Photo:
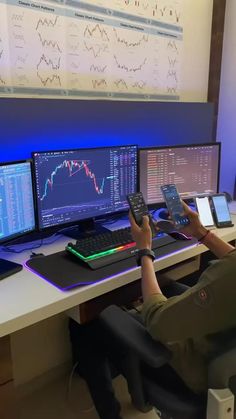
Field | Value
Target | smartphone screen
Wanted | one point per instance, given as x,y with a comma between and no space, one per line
174,205
221,209
204,211
139,208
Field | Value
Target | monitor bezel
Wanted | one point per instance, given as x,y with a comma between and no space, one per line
74,223
188,200
18,235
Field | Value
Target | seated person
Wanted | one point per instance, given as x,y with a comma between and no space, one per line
191,325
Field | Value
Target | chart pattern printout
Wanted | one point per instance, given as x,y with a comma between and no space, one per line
78,184
87,49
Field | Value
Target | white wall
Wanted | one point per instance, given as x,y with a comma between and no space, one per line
226,132
196,54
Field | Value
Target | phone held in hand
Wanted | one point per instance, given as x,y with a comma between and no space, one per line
221,211
139,208
174,205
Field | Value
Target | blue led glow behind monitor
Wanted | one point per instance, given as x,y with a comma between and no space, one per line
193,168
82,184
17,214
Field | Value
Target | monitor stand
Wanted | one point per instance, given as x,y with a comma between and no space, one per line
85,229
7,268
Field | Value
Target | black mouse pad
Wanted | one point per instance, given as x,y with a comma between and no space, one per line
64,271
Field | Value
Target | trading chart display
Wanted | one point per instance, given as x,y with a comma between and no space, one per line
121,49
193,169
16,200
74,185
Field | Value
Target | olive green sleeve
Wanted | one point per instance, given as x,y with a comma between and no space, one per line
150,312
208,307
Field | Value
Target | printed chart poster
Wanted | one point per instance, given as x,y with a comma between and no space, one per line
87,49
109,56
37,47
89,53
5,78
166,11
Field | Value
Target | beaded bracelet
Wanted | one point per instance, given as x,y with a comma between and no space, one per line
204,236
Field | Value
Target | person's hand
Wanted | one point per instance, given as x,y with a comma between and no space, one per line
194,228
141,235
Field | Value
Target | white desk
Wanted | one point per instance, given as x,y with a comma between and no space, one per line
25,298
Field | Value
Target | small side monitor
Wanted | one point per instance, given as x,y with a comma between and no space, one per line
17,214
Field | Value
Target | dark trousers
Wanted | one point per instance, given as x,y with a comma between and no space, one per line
99,359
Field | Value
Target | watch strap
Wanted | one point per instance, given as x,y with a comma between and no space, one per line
144,252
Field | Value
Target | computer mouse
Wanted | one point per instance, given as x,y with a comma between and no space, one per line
168,228
177,235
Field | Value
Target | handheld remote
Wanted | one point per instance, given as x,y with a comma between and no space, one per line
139,208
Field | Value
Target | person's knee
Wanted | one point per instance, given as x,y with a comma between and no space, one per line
174,288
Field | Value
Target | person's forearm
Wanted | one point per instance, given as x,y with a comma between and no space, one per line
217,245
149,282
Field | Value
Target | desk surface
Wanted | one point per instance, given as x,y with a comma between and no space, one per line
25,298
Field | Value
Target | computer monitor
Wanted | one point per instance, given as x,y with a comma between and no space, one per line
193,168
81,184
17,214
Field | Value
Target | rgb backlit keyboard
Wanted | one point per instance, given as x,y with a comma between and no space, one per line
102,244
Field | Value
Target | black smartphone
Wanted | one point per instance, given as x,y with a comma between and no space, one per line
139,208
221,211
174,205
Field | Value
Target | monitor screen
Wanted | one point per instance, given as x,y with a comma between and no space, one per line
74,185
193,168
17,215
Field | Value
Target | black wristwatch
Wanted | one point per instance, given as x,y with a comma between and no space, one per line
144,252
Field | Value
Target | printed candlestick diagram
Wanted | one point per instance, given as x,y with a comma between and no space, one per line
37,47
91,49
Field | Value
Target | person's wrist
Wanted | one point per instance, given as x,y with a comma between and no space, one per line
200,233
144,254
204,239
145,260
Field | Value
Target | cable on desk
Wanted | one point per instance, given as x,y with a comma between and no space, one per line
44,241
11,250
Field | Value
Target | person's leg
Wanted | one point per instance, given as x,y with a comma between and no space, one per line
89,348
169,287
174,288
